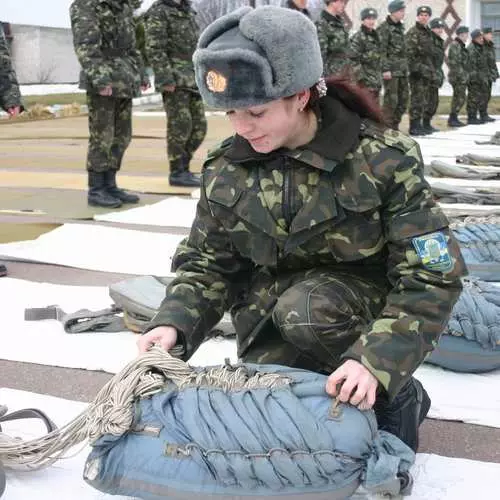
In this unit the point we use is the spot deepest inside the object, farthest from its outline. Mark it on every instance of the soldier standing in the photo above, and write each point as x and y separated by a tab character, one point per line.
437	28
10	96
478	79
419	46
300	5
365	53
458	76
491	57
394	65
171	37
105	44
333	38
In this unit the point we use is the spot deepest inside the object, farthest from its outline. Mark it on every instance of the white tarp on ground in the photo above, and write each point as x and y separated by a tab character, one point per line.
468	397
99	248
436	477
171	212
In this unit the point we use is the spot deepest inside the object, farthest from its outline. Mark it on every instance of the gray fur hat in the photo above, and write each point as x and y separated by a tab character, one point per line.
476	34
462	29
252	56
396	5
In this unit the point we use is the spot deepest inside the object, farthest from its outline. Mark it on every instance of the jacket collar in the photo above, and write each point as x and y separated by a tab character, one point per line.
338	133
337	20
394	23
421	26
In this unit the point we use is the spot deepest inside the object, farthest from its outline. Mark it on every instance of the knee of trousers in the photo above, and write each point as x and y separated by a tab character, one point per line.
315	309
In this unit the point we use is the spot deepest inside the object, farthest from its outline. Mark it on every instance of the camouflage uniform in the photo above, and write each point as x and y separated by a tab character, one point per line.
393	59
171	37
419	46
334	42
313	252
458	76
105	44
366	59
438	76
491	57
10	96
478	85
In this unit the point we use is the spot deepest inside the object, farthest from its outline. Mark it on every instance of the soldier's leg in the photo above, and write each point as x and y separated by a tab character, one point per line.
403	96
457	101
391	102
101	112
430	109
121	141
322	317
473	101
485	97
199	125
418	99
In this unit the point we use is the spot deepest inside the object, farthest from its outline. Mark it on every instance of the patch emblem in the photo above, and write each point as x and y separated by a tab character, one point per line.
433	252
216	82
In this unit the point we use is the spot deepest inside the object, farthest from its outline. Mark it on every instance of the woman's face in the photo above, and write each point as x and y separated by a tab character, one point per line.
272	125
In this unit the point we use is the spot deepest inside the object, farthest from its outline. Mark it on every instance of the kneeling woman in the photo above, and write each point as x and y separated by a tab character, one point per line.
315	226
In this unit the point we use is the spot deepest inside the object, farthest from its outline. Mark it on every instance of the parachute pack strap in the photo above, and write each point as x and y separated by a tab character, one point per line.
24	414
84	320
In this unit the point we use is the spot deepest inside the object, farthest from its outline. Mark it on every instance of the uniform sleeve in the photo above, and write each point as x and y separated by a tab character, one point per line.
87	43
356	56
157	49
423	294
10	95
384	35
473	64
454	58
323	42
206	264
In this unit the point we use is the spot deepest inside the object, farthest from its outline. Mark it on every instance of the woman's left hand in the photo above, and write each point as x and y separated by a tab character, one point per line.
352	382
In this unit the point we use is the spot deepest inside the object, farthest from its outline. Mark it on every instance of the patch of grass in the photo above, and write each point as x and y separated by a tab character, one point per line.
51	99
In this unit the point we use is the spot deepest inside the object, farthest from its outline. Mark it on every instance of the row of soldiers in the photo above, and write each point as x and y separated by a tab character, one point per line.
409	65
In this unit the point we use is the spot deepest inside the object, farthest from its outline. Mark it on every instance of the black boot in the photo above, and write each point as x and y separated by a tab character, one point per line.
180	176
416	128
98	195
453	121
403	416
486	118
116	192
3	270
426	125
472	120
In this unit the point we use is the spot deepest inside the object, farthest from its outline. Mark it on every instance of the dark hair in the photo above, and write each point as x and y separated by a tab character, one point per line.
355	97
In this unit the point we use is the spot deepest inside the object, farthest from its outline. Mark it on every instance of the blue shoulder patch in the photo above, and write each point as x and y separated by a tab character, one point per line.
433	252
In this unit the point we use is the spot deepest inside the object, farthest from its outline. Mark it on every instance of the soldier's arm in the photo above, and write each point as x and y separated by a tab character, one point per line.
207	266
10	95
323	42
424	292
412	51
157	49
357	56
384	35
87	43
453	57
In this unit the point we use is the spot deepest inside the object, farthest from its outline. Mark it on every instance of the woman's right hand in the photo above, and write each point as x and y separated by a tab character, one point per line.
165	336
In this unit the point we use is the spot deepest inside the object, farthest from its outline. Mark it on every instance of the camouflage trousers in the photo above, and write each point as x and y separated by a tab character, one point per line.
395	99
490	86
419	97
316	320
477	98
433	102
110	131
459	96
186	126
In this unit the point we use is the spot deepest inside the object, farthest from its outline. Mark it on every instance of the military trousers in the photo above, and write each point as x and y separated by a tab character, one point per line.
395	99
186	126
316	320
110	131
490	86
459	96
419	97
477	98
433	102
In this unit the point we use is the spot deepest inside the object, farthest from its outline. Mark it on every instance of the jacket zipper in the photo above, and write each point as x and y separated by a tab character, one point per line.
287	193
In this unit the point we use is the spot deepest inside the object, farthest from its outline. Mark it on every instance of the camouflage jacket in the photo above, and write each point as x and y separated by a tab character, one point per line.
291	5
171	37
489	48
437	59
365	57
9	88
105	44
419	47
478	63
458	62
334	42
354	199
393	47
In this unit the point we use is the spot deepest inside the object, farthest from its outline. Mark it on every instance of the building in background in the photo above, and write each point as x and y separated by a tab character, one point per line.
42	46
